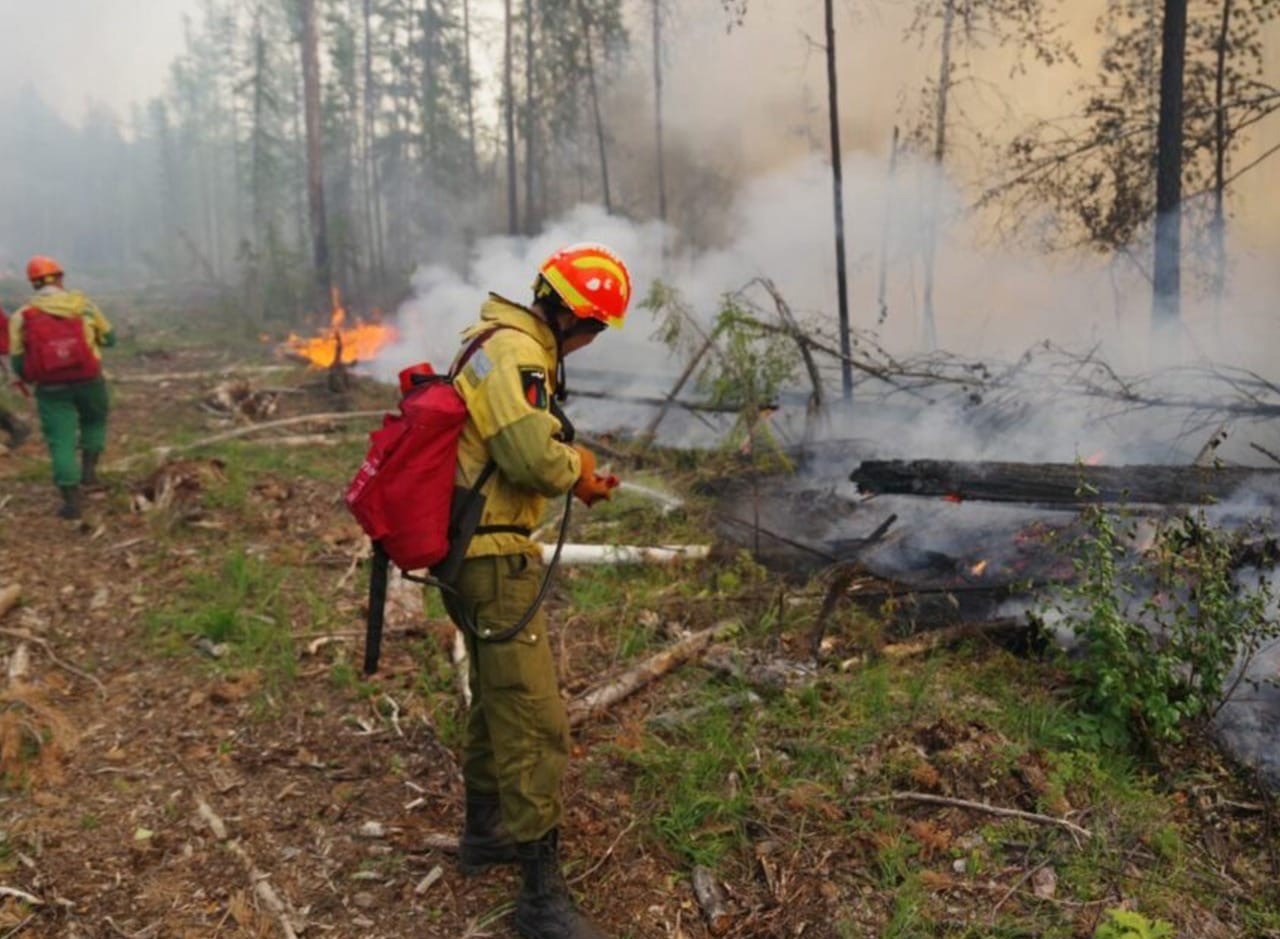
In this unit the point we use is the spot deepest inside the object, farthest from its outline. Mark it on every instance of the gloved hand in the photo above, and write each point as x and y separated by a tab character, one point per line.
591	487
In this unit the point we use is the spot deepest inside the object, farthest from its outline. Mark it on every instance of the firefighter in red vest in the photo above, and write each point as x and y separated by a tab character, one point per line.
9	422
55	344
516	745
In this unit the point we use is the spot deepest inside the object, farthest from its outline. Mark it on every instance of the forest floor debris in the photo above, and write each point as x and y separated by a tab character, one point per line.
774	790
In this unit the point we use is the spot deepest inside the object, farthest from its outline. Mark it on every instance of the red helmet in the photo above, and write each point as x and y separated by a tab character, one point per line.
591	281
40	267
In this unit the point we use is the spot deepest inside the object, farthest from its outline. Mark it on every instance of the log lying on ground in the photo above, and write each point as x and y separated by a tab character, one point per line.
1063	483
154	378
248	430
573	555
600	698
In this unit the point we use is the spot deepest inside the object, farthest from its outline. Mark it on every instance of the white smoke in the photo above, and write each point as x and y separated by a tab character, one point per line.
993	302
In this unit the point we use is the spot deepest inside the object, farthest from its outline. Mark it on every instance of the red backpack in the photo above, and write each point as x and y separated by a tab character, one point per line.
403	495
56	349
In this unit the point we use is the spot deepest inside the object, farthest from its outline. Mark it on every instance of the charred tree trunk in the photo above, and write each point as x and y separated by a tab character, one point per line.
315	148
837	183
509	103
1060	483
1166	307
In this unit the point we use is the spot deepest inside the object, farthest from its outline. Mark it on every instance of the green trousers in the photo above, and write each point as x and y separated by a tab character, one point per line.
72	417
517	736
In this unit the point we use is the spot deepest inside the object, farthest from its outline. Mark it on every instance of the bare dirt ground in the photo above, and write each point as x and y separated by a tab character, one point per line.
155	789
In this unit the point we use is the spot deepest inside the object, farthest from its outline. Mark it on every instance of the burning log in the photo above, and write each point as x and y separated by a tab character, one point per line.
1063	483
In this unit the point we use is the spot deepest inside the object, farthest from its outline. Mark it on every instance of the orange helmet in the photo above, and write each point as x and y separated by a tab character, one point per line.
40	267
590	280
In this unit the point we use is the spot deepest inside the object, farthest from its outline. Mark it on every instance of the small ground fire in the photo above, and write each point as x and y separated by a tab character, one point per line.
348	345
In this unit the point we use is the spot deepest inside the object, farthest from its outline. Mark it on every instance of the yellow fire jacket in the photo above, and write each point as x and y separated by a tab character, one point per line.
65	303
507	386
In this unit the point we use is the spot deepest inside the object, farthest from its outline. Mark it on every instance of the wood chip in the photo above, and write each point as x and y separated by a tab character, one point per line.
711	899
212	819
426	883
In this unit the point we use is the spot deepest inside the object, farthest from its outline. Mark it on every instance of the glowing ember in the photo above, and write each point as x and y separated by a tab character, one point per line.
359	342
979	569
1096	459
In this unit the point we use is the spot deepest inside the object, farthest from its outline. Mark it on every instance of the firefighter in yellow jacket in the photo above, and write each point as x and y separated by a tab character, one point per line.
55	343
517	737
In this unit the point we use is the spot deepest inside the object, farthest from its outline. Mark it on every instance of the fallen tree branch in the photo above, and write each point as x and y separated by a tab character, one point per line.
22	895
840	583
976	807
263	890
48	650
250	430
1265	452
600	698
156	379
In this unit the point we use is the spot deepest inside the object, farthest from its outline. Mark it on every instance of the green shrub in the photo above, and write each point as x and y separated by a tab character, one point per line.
1160	632
1126	924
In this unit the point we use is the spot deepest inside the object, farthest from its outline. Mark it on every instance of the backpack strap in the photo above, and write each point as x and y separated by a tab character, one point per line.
471	349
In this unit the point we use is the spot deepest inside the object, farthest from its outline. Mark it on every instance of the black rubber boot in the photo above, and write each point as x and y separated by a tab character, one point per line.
70	508
484	841
89	468
544	909
16	429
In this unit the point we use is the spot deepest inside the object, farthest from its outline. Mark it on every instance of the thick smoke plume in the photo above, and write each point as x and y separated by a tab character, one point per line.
994	303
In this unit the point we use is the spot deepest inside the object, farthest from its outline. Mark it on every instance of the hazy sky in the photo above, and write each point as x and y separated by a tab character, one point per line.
113	51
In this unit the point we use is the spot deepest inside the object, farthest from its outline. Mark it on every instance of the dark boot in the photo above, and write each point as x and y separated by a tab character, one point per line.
484	841
70	502
544	909
17	431
89	468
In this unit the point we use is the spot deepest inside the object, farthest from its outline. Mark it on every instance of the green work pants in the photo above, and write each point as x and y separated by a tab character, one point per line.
517	736
72	417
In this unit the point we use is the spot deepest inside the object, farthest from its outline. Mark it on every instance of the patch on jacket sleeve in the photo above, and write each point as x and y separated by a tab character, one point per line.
534	382
478	367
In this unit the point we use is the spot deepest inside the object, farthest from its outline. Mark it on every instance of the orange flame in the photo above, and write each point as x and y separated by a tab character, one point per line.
979	569
358	343
1096	459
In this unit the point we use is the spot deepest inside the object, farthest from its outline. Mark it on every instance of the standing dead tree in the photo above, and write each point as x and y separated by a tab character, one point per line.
1095	169
315	149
